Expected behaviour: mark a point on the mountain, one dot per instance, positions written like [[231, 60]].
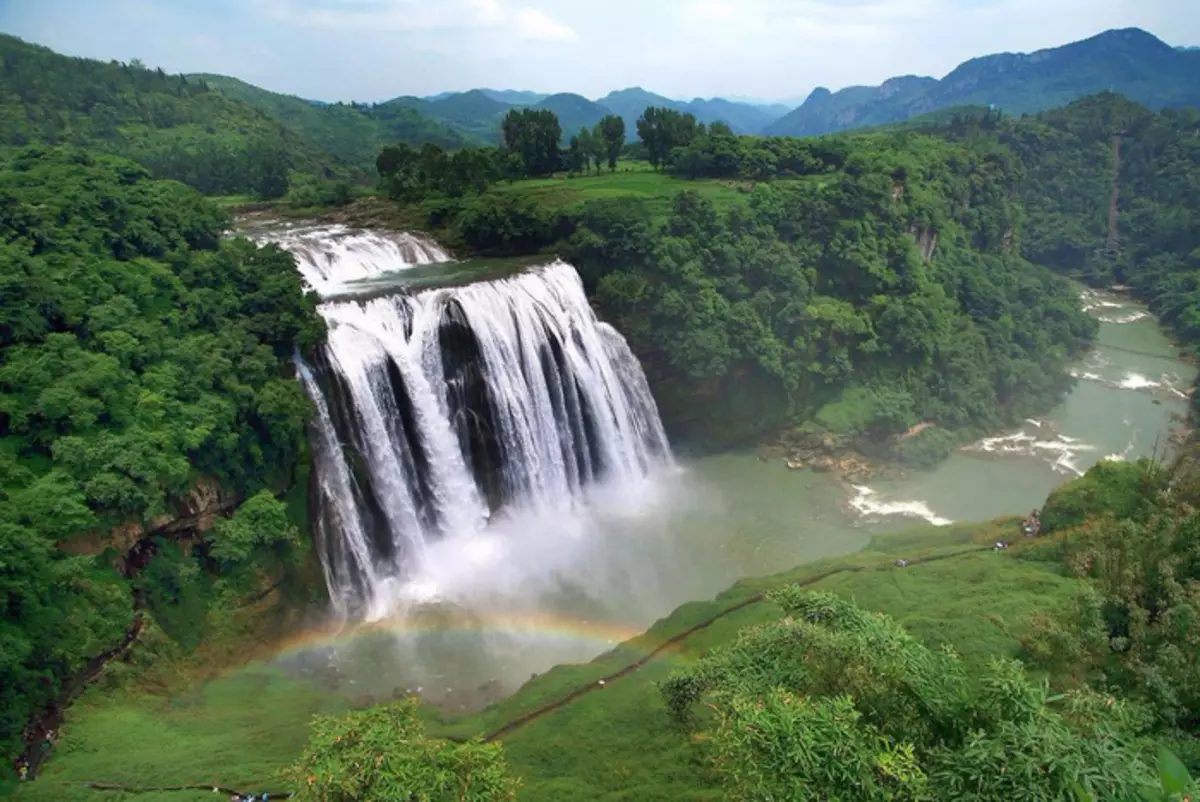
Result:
[[1129, 61], [854, 107], [176, 127], [515, 97], [574, 112], [743, 118], [354, 133], [628, 104], [475, 114]]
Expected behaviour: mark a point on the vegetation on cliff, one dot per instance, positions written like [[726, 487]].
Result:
[[139, 355]]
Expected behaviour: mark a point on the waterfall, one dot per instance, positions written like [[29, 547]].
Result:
[[442, 412], [329, 257]]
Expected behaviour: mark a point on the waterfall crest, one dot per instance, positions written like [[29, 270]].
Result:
[[440, 412]]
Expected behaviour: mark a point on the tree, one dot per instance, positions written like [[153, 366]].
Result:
[[384, 755], [533, 134], [590, 148], [662, 130], [576, 159], [612, 134]]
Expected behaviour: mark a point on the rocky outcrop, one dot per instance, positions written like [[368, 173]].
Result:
[[800, 449], [927, 240], [194, 513]]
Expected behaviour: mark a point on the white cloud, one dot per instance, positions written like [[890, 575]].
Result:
[[532, 23], [421, 16]]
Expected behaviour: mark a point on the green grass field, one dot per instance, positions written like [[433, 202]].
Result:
[[632, 180], [614, 742]]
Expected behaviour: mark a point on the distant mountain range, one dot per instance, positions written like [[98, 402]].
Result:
[[1130, 62]]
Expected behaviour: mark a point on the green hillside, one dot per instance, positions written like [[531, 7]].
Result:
[[176, 127], [474, 114], [574, 112], [354, 133], [1130, 62]]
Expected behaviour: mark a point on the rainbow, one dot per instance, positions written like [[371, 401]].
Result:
[[539, 626]]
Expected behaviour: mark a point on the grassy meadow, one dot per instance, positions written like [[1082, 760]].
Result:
[[611, 742], [633, 179]]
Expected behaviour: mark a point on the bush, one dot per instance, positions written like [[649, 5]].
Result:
[[1115, 489], [504, 224], [834, 702], [926, 448], [383, 754]]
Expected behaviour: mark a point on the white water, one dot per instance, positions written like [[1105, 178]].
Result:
[[871, 506], [405, 520], [331, 257]]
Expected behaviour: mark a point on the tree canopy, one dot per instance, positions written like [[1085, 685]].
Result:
[[139, 354]]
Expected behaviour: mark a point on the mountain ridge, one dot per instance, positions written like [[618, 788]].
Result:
[[1129, 61]]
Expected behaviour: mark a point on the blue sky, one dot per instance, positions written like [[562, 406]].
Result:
[[376, 49]]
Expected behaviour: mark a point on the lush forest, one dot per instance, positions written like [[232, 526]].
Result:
[[1069, 159], [142, 358], [352, 132]]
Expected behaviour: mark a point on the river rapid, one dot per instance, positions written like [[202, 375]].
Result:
[[539, 588]]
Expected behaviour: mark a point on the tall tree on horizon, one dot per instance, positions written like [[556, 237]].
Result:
[[662, 130], [534, 135], [612, 134]]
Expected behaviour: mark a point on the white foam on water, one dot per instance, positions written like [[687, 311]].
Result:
[[1136, 381], [1124, 454], [1132, 317], [1059, 451], [868, 504]]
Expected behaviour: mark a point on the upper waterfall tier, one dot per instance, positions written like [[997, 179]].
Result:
[[440, 411], [331, 257]]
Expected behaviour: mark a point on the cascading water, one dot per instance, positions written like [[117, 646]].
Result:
[[330, 257], [453, 414]]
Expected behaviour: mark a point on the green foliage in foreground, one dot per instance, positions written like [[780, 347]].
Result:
[[833, 702], [383, 754], [139, 353], [1135, 625]]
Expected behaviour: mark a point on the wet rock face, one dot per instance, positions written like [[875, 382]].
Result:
[[195, 513]]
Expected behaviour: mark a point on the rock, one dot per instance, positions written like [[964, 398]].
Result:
[[824, 465], [794, 465]]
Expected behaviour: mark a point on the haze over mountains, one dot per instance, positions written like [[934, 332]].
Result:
[[170, 122], [1129, 61]]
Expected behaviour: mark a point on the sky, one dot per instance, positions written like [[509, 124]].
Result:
[[372, 50]]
